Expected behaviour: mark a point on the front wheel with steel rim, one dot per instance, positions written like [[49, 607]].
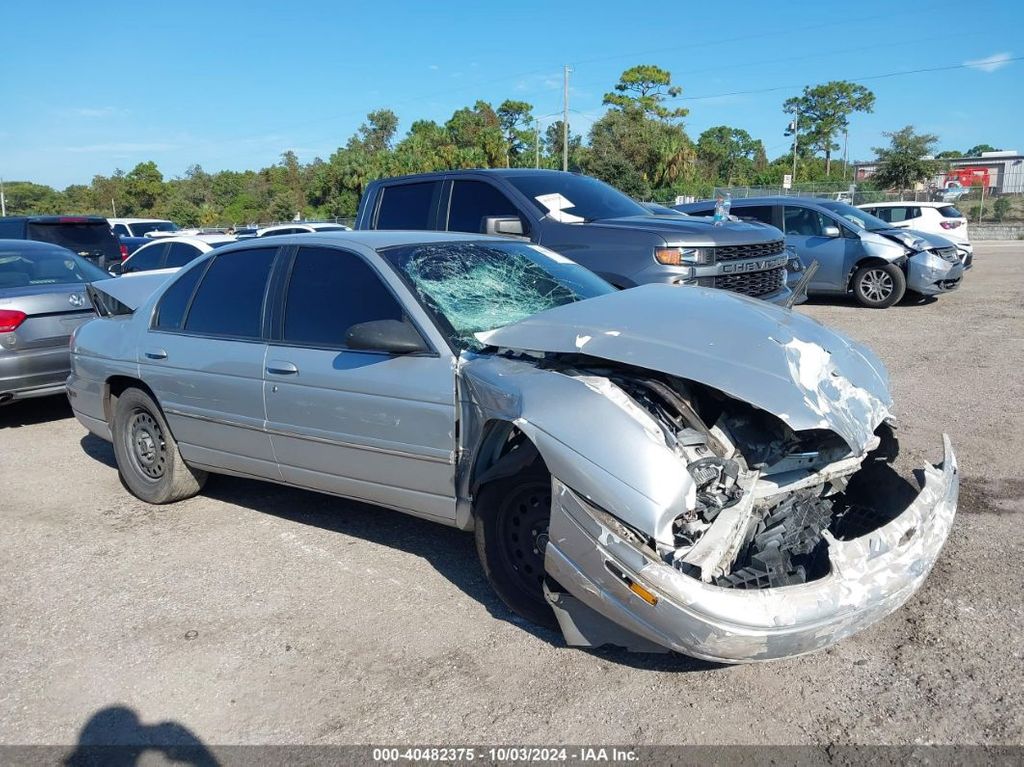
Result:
[[147, 455], [879, 286], [512, 518]]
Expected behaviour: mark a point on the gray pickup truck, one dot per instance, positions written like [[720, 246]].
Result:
[[588, 221]]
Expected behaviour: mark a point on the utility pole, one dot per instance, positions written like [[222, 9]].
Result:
[[3, 200], [113, 207], [796, 130], [565, 117], [846, 154], [536, 142]]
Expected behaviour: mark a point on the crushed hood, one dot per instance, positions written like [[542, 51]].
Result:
[[775, 359]]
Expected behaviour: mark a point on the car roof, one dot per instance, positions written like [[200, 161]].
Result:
[[139, 220], [30, 245], [374, 239], [62, 219], [504, 172], [893, 204], [209, 240]]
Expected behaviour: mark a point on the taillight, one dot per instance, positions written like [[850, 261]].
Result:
[[950, 224], [72, 220], [10, 319], [124, 251]]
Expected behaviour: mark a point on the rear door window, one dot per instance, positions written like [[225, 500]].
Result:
[[180, 253], [229, 301], [474, 201], [806, 222], [762, 213], [329, 291], [171, 310], [145, 259], [408, 206], [121, 230], [949, 211]]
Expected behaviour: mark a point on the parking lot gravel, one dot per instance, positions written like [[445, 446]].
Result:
[[261, 614]]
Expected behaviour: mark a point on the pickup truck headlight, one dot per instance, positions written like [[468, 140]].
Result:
[[682, 256]]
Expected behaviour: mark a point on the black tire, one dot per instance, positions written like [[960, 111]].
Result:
[[879, 286], [147, 455], [513, 514]]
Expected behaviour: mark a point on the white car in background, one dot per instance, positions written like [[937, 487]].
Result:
[[940, 218], [170, 253], [142, 227], [301, 227]]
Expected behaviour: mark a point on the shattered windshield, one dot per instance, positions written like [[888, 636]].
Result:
[[470, 287]]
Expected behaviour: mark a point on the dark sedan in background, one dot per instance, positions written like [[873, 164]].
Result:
[[42, 299]]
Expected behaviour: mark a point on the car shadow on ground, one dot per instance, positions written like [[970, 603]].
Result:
[[29, 412], [449, 551], [115, 736], [909, 301]]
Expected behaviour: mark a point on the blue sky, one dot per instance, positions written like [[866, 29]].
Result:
[[90, 87]]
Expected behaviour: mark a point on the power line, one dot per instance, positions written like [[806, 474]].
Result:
[[850, 79]]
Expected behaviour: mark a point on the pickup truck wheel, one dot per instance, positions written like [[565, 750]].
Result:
[[879, 286], [148, 460], [513, 514]]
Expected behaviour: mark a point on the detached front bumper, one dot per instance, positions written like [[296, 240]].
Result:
[[870, 577], [930, 275]]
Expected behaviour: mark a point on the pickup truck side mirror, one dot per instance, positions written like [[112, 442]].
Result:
[[831, 231], [504, 225], [391, 336]]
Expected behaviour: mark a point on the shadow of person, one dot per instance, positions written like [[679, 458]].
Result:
[[114, 737]]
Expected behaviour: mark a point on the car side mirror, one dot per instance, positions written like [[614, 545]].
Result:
[[392, 336], [116, 268], [831, 231], [509, 226]]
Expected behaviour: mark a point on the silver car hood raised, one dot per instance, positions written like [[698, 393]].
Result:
[[775, 359]]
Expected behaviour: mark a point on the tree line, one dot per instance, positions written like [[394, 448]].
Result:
[[639, 145]]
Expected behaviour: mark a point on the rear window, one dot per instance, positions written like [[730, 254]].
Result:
[[140, 229], [948, 211], [88, 239], [407, 206], [39, 266]]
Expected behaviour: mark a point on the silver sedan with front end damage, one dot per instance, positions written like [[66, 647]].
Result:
[[658, 468]]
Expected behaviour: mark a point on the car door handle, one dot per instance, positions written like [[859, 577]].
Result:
[[281, 368], [156, 354]]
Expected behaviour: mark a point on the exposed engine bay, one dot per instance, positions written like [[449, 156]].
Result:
[[766, 498]]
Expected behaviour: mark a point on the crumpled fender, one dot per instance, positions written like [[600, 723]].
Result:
[[599, 443]]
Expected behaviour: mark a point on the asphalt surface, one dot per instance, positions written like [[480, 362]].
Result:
[[260, 614]]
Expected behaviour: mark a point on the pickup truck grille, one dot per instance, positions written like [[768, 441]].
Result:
[[754, 250], [755, 284]]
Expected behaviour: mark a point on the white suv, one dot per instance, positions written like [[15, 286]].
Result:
[[932, 217]]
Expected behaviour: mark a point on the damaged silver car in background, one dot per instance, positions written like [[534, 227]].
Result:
[[656, 468]]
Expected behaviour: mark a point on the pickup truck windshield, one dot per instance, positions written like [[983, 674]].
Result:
[[574, 199], [470, 287], [861, 219]]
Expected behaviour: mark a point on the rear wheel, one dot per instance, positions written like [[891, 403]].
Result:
[[147, 455], [879, 286], [513, 514]]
